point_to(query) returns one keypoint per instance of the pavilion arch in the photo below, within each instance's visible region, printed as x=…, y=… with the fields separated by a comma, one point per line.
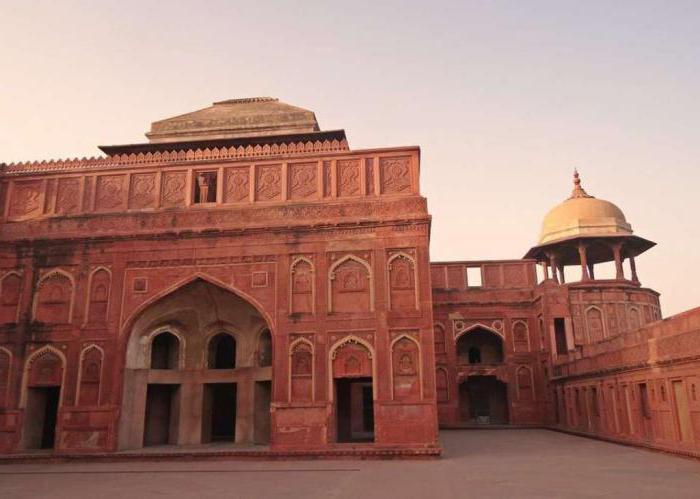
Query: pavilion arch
x=28, y=365
x=292, y=350
x=479, y=325
x=479, y=344
x=332, y=351
x=331, y=277
x=420, y=361
x=412, y=261
x=83, y=355
x=56, y=272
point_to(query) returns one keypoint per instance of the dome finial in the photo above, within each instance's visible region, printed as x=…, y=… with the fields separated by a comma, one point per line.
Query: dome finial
x=578, y=191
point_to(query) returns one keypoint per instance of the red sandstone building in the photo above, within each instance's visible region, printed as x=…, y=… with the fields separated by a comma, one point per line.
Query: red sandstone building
x=246, y=277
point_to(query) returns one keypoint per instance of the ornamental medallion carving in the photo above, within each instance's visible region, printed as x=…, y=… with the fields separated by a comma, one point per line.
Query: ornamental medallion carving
x=142, y=193
x=268, y=183
x=109, y=194
x=395, y=175
x=27, y=199
x=173, y=189
x=348, y=177
x=68, y=196
x=303, y=183
x=237, y=185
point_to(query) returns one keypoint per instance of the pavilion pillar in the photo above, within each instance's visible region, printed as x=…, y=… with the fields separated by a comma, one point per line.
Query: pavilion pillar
x=591, y=271
x=633, y=267
x=562, y=278
x=545, y=269
x=617, y=252
x=553, y=264
x=584, y=262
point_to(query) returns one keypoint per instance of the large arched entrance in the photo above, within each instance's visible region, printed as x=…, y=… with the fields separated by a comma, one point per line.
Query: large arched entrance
x=198, y=370
x=483, y=398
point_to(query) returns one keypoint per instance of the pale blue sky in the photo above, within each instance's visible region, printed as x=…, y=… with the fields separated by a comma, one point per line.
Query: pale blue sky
x=504, y=98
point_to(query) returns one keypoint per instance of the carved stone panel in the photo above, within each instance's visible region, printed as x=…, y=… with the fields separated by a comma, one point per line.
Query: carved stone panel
x=4, y=378
x=142, y=193
x=27, y=199
x=109, y=194
x=99, y=295
x=327, y=179
x=443, y=394
x=348, y=172
x=302, y=287
x=237, y=184
x=595, y=323
x=521, y=342
x=10, y=292
x=395, y=175
x=90, y=376
x=406, y=370
x=268, y=182
x=68, y=196
x=173, y=189
x=46, y=370
x=352, y=360
x=350, y=287
x=402, y=283
x=369, y=175
x=302, y=363
x=303, y=180
x=54, y=299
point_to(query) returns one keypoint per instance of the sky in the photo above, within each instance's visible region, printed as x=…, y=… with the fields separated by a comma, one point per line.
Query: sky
x=504, y=98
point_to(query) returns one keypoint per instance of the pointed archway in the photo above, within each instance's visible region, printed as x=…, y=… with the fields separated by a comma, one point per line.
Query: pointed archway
x=192, y=372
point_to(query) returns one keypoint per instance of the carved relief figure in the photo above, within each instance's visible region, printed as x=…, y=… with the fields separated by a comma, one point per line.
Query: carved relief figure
x=110, y=192
x=142, y=192
x=303, y=183
x=68, y=196
x=237, y=184
x=268, y=182
x=348, y=171
x=173, y=189
x=395, y=175
x=26, y=200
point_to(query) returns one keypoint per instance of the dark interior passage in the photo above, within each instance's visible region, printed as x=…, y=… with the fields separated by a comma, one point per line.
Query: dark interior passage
x=354, y=410
x=159, y=428
x=483, y=400
x=219, y=412
x=41, y=417
x=222, y=352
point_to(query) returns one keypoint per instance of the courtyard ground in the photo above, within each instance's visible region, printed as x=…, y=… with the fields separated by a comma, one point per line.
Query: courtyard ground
x=476, y=463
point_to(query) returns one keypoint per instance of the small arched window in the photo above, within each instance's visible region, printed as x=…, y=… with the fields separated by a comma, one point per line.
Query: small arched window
x=165, y=351
x=474, y=355
x=222, y=352
x=265, y=349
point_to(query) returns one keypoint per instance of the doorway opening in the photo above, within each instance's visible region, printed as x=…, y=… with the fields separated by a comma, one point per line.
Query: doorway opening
x=262, y=423
x=354, y=409
x=161, y=415
x=41, y=414
x=483, y=400
x=219, y=412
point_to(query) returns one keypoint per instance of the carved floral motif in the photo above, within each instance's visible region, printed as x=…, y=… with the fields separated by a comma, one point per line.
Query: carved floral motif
x=237, y=184
x=268, y=182
x=68, y=196
x=348, y=177
x=173, y=189
x=110, y=192
x=395, y=175
x=303, y=183
x=26, y=199
x=142, y=191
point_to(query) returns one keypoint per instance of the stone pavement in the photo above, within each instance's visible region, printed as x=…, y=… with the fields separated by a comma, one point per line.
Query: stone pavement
x=476, y=463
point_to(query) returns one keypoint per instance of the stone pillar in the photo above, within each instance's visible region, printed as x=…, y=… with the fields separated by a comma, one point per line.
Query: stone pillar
x=545, y=269
x=190, y=413
x=591, y=271
x=584, y=262
x=562, y=278
x=553, y=264
x=617, y=252
x=633, y=267
x=245, y=410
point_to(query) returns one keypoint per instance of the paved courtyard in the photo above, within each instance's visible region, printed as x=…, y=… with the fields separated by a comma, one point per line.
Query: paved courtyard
x=476, y=463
